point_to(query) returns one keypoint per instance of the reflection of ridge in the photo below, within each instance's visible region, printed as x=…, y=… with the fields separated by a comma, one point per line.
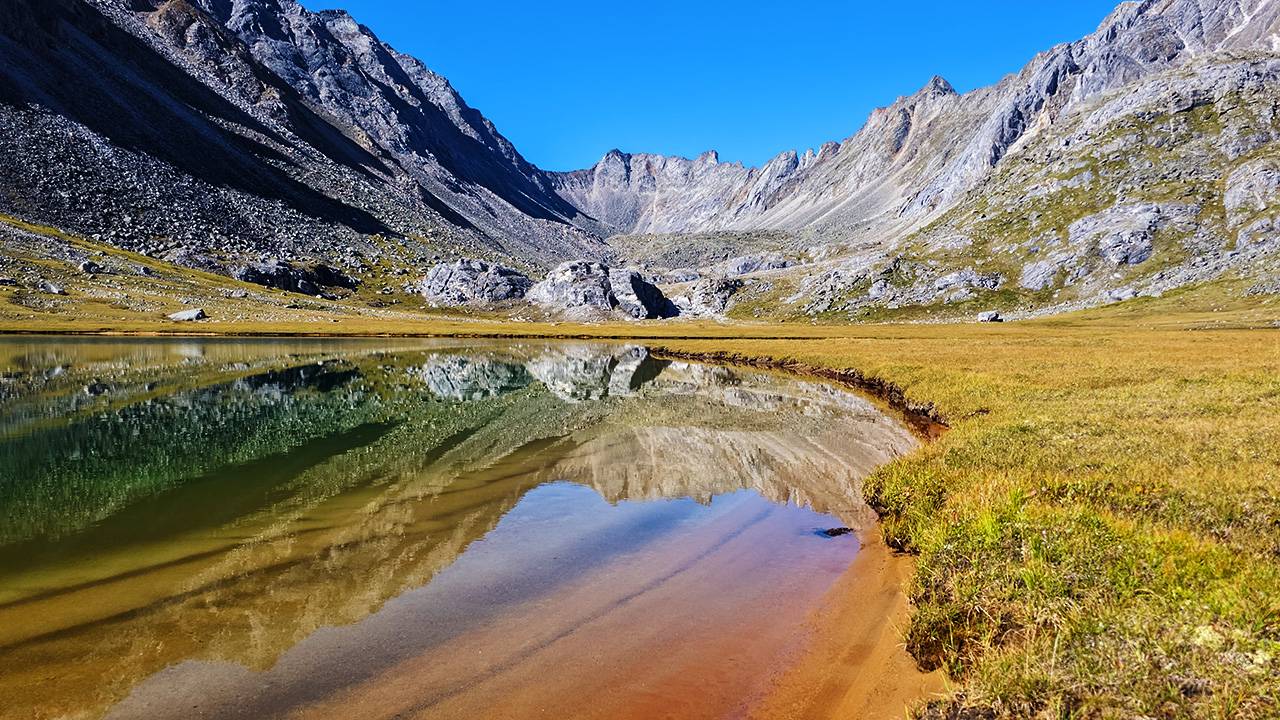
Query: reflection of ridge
x=376, y=489
x=820, y=471
x=334, y=564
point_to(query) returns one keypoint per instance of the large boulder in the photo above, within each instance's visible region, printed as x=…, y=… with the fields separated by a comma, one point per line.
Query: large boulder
x=747, y=264
x=713, y=295
x=306, y=279
x=1125, y=234
x=188, y=315
x=590, y=288
x=473, y=282
x=638, y=298
x=575, y=286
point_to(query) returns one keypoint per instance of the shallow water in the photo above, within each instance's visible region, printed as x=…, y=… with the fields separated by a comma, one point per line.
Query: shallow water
x=253, y=528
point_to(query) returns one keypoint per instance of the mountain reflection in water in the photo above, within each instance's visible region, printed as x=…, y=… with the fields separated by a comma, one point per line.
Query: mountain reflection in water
x=224, y=523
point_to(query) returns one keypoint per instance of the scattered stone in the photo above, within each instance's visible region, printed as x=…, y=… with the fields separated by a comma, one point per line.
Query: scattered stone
x=990, y=316
x=89, y=267
x=7, y=282
x=188, y=315
x=1266, y=287
x=47, y=287
x=307, y=280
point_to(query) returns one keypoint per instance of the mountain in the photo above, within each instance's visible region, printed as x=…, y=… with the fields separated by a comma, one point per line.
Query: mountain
x=1106, y=168
x=923, y=151
x=220, y=133
x=213, y=130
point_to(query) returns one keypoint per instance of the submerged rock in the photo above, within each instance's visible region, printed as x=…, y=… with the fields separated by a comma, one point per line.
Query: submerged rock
x=468, y=282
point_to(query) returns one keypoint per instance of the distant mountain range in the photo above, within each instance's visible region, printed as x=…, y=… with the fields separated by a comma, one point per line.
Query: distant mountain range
x=214, y=132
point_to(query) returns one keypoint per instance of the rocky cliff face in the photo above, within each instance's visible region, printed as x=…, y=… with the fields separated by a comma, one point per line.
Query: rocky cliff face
x=1107, y=168
x=918, y=155
x=213, y=129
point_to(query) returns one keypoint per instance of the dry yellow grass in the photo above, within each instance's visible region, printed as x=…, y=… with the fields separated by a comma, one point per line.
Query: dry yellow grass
x=1098, y=533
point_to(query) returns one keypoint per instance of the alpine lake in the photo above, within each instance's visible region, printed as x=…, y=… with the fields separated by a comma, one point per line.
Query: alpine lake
x=256, y=528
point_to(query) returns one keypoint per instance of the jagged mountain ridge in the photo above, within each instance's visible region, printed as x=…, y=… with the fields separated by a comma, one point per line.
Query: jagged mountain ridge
x=216, y=129
x=921, y=153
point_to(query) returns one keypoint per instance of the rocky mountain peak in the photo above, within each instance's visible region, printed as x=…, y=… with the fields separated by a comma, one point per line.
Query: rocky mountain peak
x=937, y=85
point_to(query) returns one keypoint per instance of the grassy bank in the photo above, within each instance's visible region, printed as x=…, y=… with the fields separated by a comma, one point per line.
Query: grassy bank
x=1099, y=532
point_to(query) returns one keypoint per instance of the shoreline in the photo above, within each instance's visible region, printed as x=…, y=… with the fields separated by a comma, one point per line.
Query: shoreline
x=855, y=664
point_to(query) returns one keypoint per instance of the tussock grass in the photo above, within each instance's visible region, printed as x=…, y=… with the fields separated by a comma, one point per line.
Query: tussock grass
x=1099, y=532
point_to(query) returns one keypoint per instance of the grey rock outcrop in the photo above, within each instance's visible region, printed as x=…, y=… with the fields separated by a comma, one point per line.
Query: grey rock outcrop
x=712, y=296
x=1252, y=198
x=471, y=282
x=590, y=288
x=1122, y=234
x=314, y=279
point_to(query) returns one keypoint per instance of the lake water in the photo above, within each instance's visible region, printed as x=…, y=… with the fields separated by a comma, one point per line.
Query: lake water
x=361, y=529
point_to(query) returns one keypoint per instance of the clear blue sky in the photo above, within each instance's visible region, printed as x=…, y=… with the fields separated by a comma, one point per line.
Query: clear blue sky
x=567, y=80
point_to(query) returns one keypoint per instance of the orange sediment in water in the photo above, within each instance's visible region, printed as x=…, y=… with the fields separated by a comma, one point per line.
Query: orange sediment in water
x=549, y=531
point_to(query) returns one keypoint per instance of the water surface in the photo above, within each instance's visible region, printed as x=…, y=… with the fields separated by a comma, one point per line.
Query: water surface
x=255, y=528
